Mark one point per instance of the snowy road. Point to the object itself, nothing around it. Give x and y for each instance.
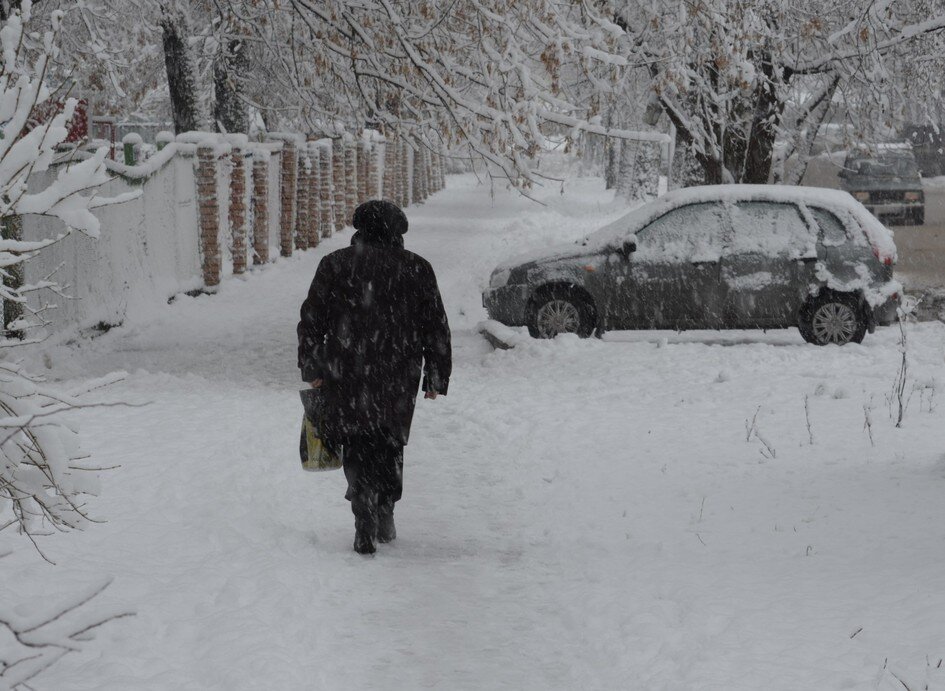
(922, 248)
(577, 514)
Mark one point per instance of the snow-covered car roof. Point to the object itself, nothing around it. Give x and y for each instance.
(838, 201)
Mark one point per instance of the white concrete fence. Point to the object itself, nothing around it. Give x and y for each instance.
(213, 206)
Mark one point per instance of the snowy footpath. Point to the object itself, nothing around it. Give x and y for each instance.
(652, 511)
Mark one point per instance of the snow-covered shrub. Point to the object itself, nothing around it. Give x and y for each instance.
(638, 173)
(43, 474)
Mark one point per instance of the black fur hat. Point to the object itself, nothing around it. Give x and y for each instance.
(380, 219)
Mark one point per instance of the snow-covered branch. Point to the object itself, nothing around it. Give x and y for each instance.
(44, 633)
(44, 478)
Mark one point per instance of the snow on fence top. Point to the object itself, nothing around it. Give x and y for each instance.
(287, 137)
(237, 140)
(185, 144)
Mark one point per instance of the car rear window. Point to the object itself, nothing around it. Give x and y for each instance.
(834, 233)
(772, 229)
(898, 166)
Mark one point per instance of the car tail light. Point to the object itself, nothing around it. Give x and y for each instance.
(885, 259)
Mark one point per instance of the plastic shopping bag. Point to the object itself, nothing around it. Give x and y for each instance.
(316, 453)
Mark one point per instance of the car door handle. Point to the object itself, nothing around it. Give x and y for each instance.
(808, 260)
(703, 262)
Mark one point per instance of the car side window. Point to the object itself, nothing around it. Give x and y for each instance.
(694, 232)
(832, 230)
(771, 229)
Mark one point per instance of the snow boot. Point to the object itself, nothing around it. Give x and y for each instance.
(386, 532)
(365, 523)
(364, 537)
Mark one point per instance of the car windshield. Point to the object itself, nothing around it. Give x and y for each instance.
(884, 167)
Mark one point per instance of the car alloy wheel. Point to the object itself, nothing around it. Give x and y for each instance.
(557, 316)
(834, 322)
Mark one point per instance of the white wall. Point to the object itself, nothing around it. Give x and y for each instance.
(146, 252)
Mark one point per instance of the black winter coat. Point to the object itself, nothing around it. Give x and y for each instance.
(373, 320)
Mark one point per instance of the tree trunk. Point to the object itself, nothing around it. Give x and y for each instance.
(646, 171)
(230, 111)
(759, 156)
(712, 171)
(12, 229)
(181, 71)
(807, 125)
(638, 171)
(625, 167)
(611, 155)
(687, 171)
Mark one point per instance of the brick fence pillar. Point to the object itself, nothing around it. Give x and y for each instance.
(425, 160)
(338, 182)
(324, 165)
(351, 180)
(364, 189)
(289, 183)
(390, 162)
(428, 172)
(312, 191)
(434, 175)
(208, 210)
(301, 200)
(441, 171)
(238, 210)
(374, 172)
(260, 207)
(315, 195)
(417, 193)
(404, 187)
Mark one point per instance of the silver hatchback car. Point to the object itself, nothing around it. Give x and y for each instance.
(714, 257)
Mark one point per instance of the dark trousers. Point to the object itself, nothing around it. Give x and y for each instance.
(374, 468)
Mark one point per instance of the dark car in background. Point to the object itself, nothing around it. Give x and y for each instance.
(887, 182)
(713, 257)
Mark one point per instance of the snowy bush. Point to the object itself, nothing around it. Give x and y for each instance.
(43, 475)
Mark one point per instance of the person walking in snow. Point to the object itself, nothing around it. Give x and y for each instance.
(373, 321)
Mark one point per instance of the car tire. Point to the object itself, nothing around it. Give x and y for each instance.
(560, 310)
(831, 317)
(918, 217)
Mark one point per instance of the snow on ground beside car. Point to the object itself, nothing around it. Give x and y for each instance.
(935, 183)
(650, 511)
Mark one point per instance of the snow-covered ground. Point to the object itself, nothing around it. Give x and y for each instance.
(577, 514)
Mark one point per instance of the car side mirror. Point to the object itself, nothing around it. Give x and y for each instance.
(628, 247)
